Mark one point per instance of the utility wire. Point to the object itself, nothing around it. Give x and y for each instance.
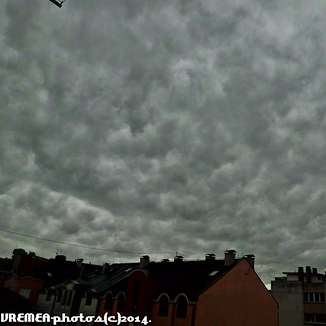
(80, 246)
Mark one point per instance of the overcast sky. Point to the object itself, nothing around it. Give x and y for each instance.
(189, 126)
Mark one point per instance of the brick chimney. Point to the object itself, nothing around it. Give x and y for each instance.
(308, 274)
(79, 262)
(178, 259)
(251, 260)
(300, 274)
(210, 257)
(106, 268)
(83, 270)
(229, 257)
(144, 261)
(60, 257)
(17, 255)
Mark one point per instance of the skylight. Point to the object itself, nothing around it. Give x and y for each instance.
(213, 273)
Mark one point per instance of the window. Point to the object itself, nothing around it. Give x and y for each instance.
(108, 302)
(59, 296)
(64, 298)
(182, 307)
(136, 293)
(25, 292)
(163, 306)
(48, 295)
(121, 302)
(69, 298)
(314, 297)
(89, 297)
(315, 318)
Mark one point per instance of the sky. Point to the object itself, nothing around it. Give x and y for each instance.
(156, 127)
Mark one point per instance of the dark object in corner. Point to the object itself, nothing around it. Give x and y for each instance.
(58, 3)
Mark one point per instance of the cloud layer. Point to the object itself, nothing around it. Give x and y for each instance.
(156, 127)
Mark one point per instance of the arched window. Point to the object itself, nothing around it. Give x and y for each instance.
(59, 296)
(182, 307)
(163, 306)
(108, 302)
(88, 299)
(64, 298)
(49, 295)
(121, 302)
(69, 298)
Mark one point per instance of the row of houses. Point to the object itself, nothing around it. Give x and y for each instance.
(174, 292)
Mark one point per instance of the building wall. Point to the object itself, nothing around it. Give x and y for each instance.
(177, 321)
(18, 284)
(289, 296)
(171, 318)
(162, 320)
(45, 305)
(91, 309)
(238, 298)
(147, 287)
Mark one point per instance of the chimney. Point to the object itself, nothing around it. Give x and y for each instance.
(210, 257)
(251, 260)
(79, 262)
(308, 274)
(229, 257)
(83, 271)
(60, 257)
(314, 271)
(144, 261)
(17, 254)
(178, 259)
(300, 274)
(165, 260)
(106, 268)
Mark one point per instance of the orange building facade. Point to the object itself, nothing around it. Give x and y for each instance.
(195, 293)
(239, 298)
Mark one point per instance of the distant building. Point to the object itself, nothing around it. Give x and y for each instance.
(11, 302)
(210, 292)
(301, 297)
(27, 274)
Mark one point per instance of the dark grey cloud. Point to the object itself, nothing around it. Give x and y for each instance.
(189, 126)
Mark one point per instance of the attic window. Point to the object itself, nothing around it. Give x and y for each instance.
(213, 273)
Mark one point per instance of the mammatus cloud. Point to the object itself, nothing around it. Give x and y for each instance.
(188, 126)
